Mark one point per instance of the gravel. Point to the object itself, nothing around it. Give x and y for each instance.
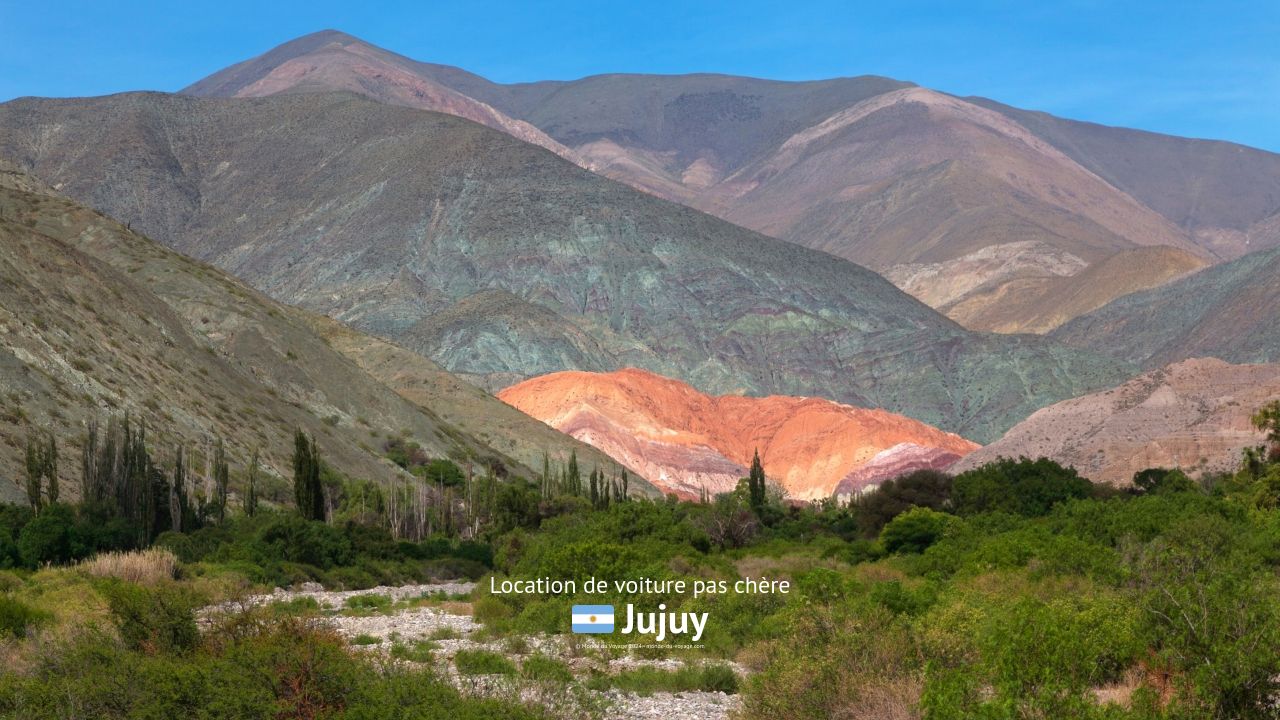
(582, 655)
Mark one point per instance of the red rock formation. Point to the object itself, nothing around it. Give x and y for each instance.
(684, 441)
(898, 460)
(1193, 415)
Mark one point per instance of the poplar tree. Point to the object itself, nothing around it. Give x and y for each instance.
(35, 471)
(308, 494)
(251, 486)
(756, 483)
(574, 476)
(221, 477)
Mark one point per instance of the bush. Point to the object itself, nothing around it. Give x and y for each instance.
(1022, 487)
(541, 668)
(153, 620)
(372, 602)
(922, 488)
(47, 538)
(915, 530)
(17, 619)
(690, 678)
(482, 662)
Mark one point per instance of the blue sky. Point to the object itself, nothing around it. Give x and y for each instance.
(1201, 69)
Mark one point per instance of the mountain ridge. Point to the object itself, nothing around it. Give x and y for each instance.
(695, 139)
(382, 234)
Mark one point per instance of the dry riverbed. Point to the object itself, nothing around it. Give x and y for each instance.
(438, 619)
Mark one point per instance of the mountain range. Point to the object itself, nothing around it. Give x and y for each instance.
(964, 202)
(502, 261)
(755, 251)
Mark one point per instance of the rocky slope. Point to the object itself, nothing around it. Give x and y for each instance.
(1192, 414)
(96, 320)
(1227, 311)
(461, 404)
(501, 261)
(899, 178)
(686, 441)
(1041, 304)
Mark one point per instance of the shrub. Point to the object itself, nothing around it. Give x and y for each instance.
(689, 678)
(421, 651)
(490, 609)
(47, 538)
(483, 662)
(1023, 487)
(541, 668)
(372, 602)
(157, 619)
(922, 488)
(17, 618)
(915, 530)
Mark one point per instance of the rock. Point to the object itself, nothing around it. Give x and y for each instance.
(685, 441)
(1193, 415)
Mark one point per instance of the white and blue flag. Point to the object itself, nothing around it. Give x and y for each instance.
(593, 618)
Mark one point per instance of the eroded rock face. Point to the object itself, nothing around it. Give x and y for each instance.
(897, 461)
(1193, 415)
(685, 441)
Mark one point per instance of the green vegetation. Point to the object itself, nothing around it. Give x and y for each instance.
(712, 677)
(541, 668)
(246, 667)
(1014, 590)
(483, 662)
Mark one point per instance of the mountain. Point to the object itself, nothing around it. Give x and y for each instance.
(96, 320)
(1228, 311)
(1193, 415)
(333, 61)
(501, 261)
(1225, 196)
(686, 441)
(910, 182)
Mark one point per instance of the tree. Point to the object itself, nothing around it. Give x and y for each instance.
(756, 483)
(1267, 420)
(573, 478)
(915, 530)
(51, 470)
(729, 524)
(35, 471)
(308, 493)
(221, 476)
(1160, 481)
(251, 486)
(924, 488)
(42, 465)
(1022, 487)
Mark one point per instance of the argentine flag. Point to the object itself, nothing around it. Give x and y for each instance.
(593, 619)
